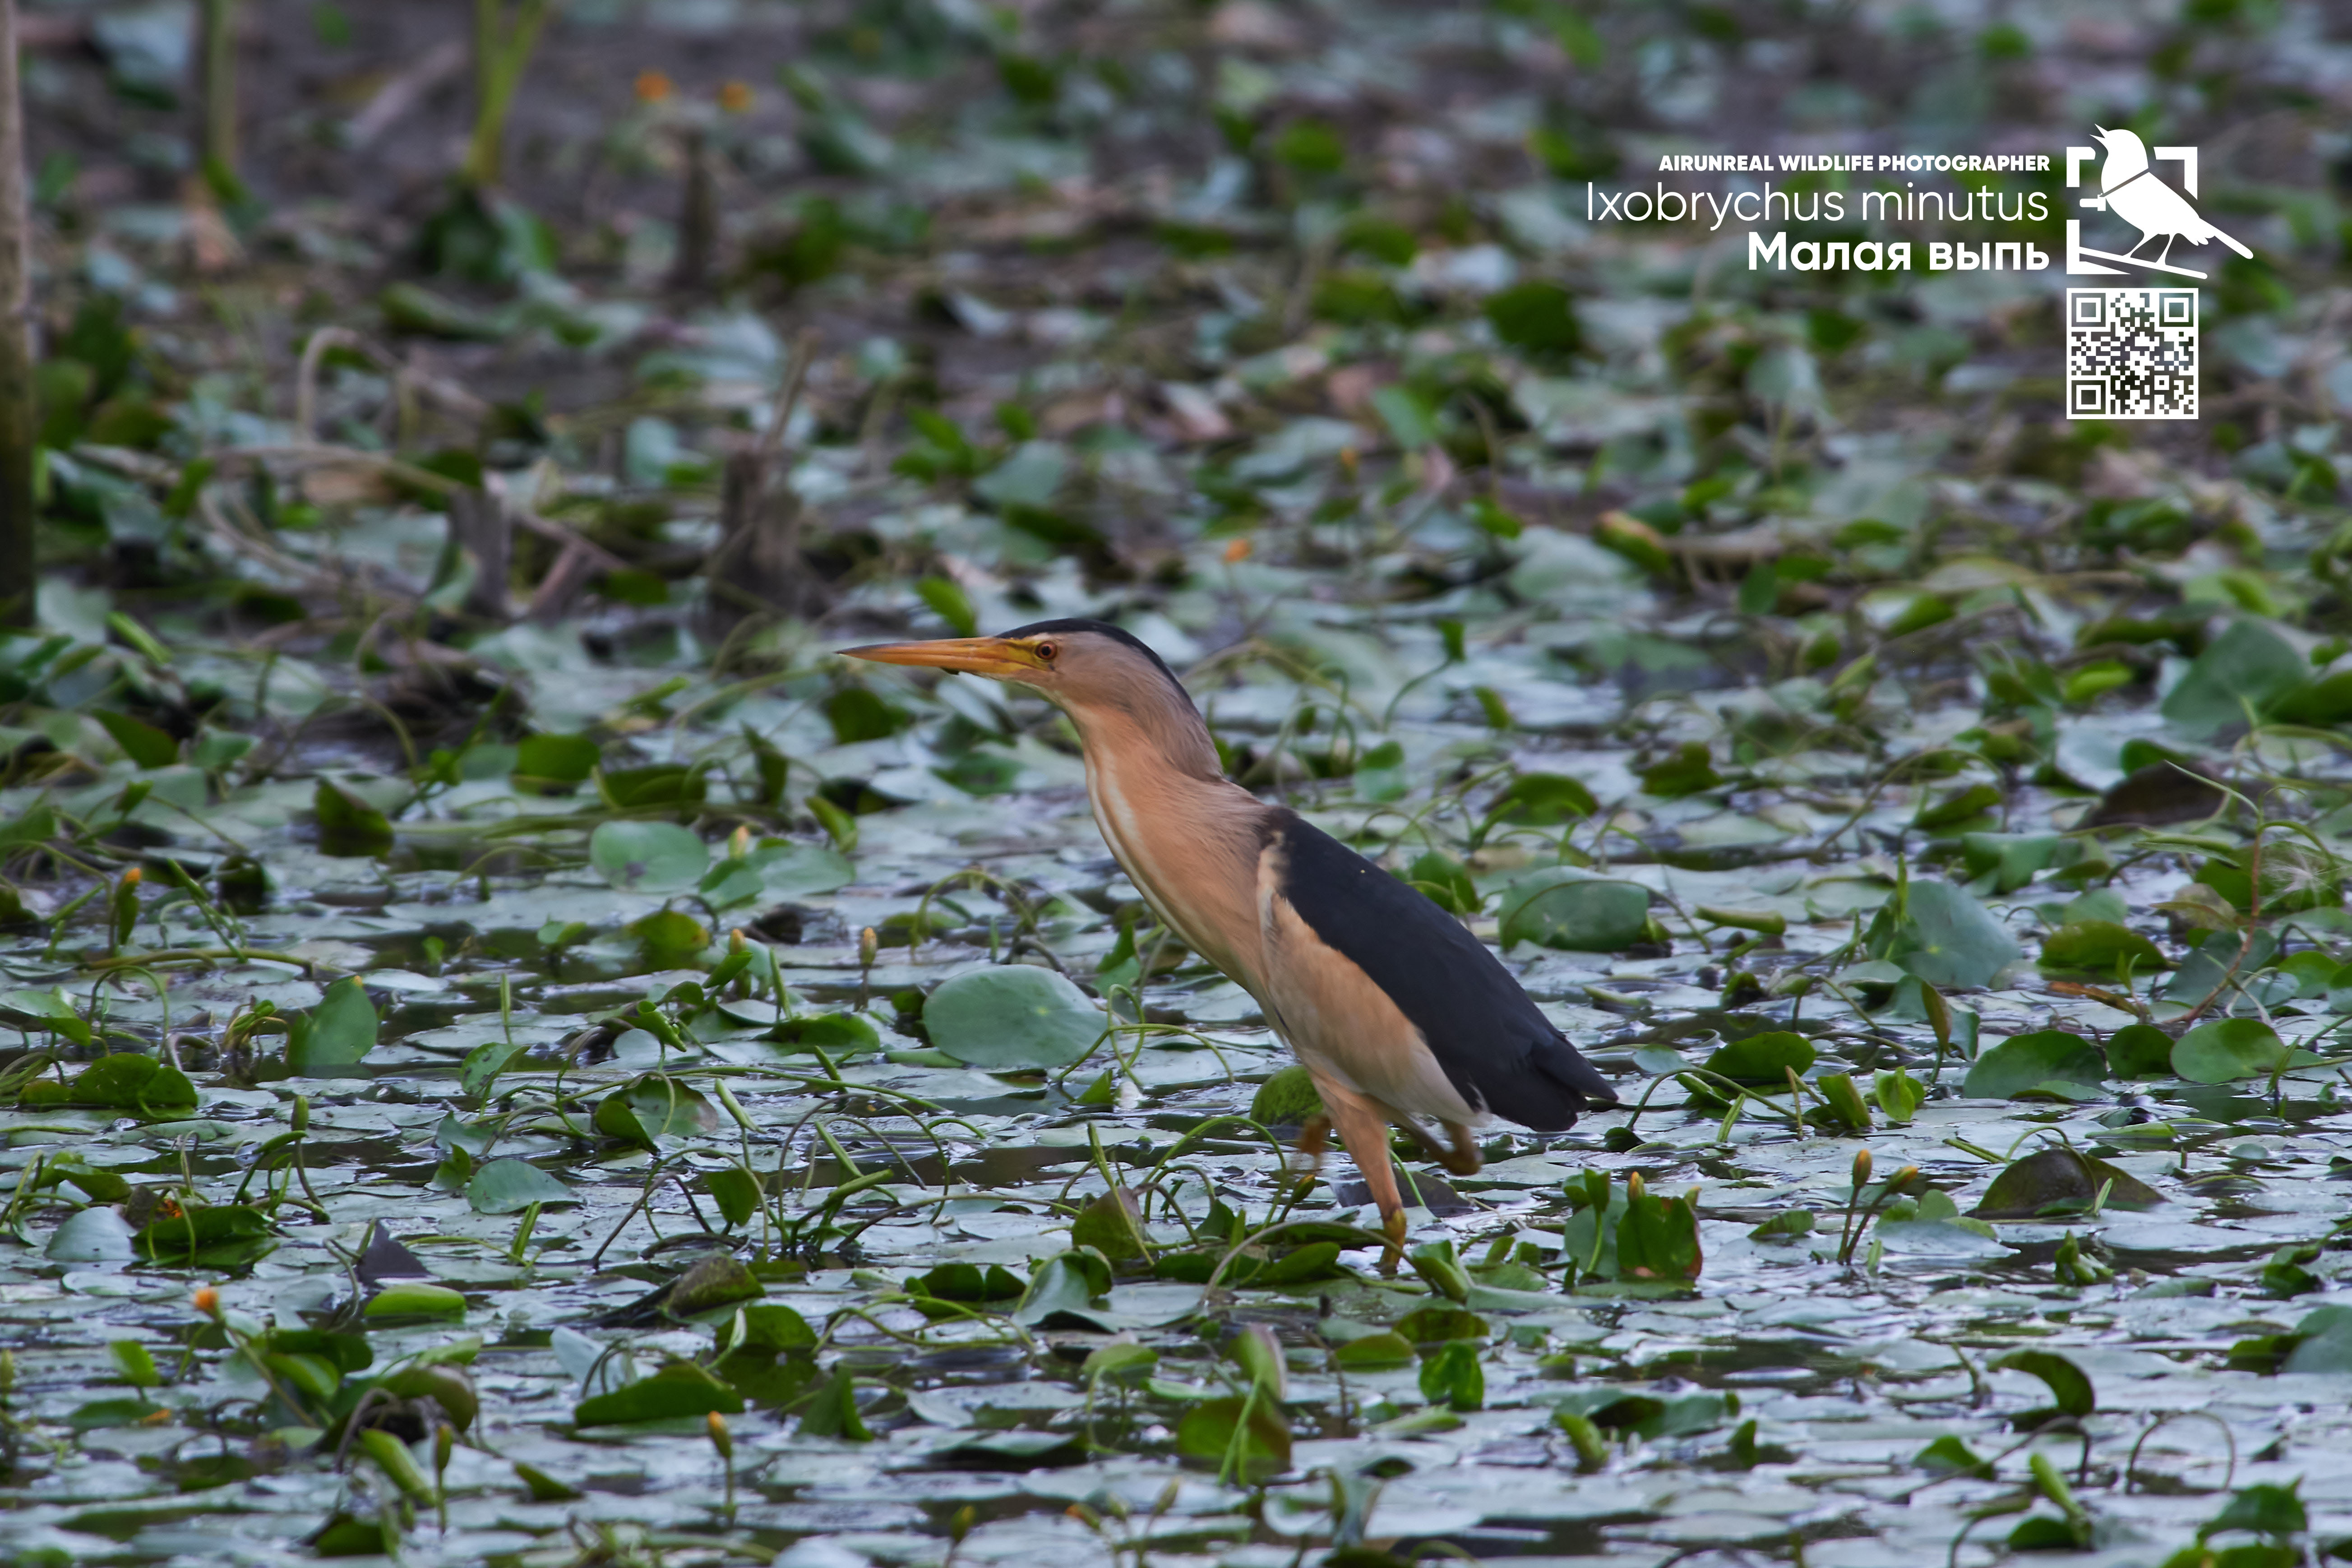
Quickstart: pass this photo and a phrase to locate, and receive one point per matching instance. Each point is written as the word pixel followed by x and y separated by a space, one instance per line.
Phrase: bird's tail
pixel 2232 244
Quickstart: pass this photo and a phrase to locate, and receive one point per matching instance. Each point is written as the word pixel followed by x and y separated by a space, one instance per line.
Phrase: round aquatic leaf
pixel 2228 1049
pixel 2100 946
pixel 1286 1100
pixel 1013 1018
pixel 545 761
pixel 1767 1058
pixel 92 1235
pixel 679 1389
pixel 413 1299
pixel 2070 1385
pixel 1252 1436
pixel 1575 912
pixel 2239 673
pixel 339 1032
pixel 2139 1050
pixel 349 828
pixel 509 1186
pixel 648 857
pixel 1946 937
pixel 801 870
pixel 1543 800
pixel 2061 1180
pixel 2029 1061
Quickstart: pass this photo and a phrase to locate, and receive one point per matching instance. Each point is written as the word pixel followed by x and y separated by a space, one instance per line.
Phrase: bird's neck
pixel 1187 837
pixel 1155 731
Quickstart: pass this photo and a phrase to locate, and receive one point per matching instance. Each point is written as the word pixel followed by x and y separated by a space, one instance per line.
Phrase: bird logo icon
pixel 2130 188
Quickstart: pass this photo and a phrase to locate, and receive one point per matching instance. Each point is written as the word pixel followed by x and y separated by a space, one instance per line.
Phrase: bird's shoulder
pixel 1386 927
pixel 1487 1035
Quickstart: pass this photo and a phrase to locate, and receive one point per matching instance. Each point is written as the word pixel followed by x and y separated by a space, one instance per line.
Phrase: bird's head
pixel 1085 668
pixel 2123 144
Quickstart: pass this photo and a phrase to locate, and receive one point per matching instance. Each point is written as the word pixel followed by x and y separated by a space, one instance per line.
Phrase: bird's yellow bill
pixel 972 656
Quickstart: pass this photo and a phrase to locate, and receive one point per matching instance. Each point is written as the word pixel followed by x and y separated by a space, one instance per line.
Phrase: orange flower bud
pixel 736 98
pixel 652 87
pixel 1238 551
pixel 131 877
pixel 206 1300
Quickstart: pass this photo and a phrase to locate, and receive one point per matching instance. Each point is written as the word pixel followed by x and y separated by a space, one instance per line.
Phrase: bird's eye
pixel 1046 651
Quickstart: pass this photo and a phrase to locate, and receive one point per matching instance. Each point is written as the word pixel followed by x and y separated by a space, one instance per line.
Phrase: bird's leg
pixel 1365 1131
pixel 1466 1158
pixel 1313 1136
pixel 2167 249
pixel 1459 1159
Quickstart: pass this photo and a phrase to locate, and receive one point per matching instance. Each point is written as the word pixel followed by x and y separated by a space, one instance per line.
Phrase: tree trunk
pixel 17 427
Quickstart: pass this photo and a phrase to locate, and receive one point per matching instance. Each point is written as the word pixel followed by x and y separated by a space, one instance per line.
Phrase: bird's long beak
pixel 993 657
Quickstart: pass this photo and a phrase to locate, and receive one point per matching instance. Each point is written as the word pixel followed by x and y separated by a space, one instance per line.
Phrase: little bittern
pixel 1397 1012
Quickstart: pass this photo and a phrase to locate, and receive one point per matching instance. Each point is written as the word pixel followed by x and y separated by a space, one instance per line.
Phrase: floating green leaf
pixel 2069 1387
pixel 338 1033
pixel 143 743
pixel 648 857
pixel 2239 673
pixel 2101 947
pixel 510 1185
pixel 2061 1181
pixel 2228 1049
pixel 348 825
pixel 1573 910
pixel 1013 1017
pixel 679 1389
pixel 1936 931
pixel 2033 1061
pixel 1763 1059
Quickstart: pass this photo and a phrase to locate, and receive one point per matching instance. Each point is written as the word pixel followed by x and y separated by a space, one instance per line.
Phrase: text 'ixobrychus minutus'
pixel 1396 1011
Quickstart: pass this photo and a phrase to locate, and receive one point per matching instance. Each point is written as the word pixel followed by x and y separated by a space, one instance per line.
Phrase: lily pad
pixel 348 825
pixel 2061 1180
pixel 338 1033
pixel 1764 1060
pixel 2025 1062
pixel 2228 1049
pixel 2239 673
pixel 1574 911
pixel 1942 935
pixel 1013 1018
pixel 648 857
pixel 509 1186
pixel 2101 947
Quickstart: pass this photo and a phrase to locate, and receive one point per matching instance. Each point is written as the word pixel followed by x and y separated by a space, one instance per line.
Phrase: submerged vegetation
pixel 514 1053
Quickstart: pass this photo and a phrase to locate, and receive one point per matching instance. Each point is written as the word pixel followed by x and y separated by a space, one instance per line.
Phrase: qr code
pixel 2131 353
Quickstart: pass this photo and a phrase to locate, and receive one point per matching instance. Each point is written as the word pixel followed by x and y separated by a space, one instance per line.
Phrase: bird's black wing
pixel 1494 1043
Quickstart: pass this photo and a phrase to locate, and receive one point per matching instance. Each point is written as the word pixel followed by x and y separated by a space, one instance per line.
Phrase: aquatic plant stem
pixel 503 44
